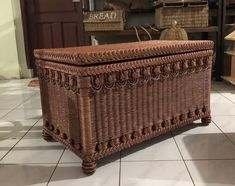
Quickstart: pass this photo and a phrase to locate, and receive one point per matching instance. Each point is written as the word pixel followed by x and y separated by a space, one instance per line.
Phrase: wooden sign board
pixel 229 67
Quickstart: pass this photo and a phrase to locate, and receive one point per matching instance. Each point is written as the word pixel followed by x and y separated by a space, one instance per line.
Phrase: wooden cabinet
pixel 229 56
pixel 216 28
pixel 228 29
pixel 229 67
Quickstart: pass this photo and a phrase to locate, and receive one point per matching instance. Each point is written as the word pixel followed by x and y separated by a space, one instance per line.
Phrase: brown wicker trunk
pixel 100 100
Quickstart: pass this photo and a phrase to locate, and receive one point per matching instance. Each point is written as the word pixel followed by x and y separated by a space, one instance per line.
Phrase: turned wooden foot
pixel 47 137
pixel 206 121
pixel 88 167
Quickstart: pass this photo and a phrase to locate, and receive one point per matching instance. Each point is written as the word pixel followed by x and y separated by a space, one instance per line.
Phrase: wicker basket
pixel 187 14
pixel 104 20
pixel 174 33
pixel 98 100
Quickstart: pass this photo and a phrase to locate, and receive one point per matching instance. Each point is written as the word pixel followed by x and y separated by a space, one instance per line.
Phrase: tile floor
pixel 194 155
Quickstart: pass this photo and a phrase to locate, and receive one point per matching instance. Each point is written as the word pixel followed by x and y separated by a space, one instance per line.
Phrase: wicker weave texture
pixel 101 109
pixel 104 20
pixel 104 54
pixel 192 17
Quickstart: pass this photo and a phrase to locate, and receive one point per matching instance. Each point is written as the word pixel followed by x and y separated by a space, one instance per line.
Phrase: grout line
pixel 225 96
pixel 19 140
pixel 55 167
pixel 25 101
pixel 120 167
pixel 6 113
pixel 183 159
pixel 223 133
pixel 10 110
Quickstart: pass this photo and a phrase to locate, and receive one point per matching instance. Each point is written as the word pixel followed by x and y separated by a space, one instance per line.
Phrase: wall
pixel 24 71
pixel 9 66
pixel 12 53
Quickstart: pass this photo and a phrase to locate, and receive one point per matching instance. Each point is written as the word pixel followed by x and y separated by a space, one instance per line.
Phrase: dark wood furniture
pixel 58 23
pixel 99 100
pixel 229 22
pixel 51 24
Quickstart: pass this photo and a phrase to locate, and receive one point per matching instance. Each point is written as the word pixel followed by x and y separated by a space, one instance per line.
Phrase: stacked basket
pixel 188 13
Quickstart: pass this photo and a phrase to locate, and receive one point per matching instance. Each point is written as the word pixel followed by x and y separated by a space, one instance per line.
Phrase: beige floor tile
pixel 23 115
pixel 163 173
pixel 161 148
pixel 212 173
pixel 6 145
pixel 25 174
pixel 34 151
pixel 15 129
pixel 72 175
pixel 197 128
pixel 205 146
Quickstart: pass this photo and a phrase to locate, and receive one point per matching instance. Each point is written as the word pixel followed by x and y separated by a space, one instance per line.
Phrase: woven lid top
pixel 101 54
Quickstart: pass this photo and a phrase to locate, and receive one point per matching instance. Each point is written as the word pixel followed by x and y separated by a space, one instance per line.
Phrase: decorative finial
pixel 174 24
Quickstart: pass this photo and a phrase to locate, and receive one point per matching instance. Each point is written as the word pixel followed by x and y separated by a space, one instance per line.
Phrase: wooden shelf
pixel 231 53
pixel 200 30
pixel 230 37
pixel 229 79
pixel 230 25
pixel 141 32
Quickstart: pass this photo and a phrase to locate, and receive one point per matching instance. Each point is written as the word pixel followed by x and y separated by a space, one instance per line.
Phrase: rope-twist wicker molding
pixel 118 52
pixel 102 108
pixel 128 77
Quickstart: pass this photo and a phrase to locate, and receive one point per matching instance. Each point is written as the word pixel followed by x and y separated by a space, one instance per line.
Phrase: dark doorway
pixel 52 24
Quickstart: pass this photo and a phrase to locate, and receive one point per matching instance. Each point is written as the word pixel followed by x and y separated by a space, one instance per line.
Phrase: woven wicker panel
pixel 104 20
pixel 185 16
pixel 102 109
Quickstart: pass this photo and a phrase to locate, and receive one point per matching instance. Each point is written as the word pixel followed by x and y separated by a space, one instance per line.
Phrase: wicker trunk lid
pixel 103 54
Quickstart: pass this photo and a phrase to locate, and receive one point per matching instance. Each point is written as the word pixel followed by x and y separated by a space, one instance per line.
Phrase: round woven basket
pixel 174 33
